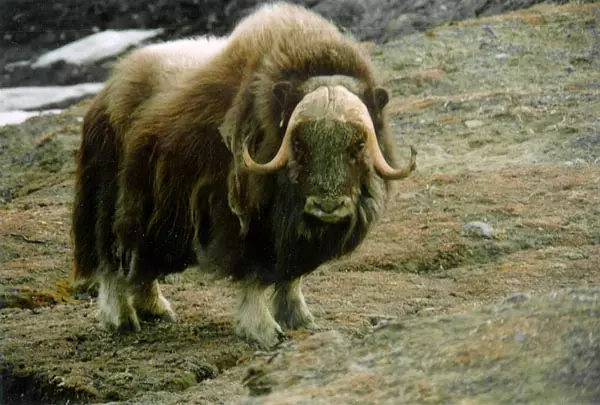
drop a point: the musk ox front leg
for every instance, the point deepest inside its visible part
(254, 320)
(290, 308)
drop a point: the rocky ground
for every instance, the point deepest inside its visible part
(480, 286)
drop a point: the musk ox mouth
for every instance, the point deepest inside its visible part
(329, 210)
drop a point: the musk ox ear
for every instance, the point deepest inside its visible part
(381, 98)
(282, 91)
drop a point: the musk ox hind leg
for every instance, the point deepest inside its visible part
(115, 301)
(290, 308)
(149, 302)
(254, 320)
(125, 299)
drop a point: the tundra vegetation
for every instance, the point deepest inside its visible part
(504, 113)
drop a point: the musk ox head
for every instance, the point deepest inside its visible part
(330, 147)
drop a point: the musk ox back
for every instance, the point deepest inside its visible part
(266, 152)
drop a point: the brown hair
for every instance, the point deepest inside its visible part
(160, 168)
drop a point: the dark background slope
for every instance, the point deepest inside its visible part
(28, 28)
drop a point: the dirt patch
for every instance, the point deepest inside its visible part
(504, 113)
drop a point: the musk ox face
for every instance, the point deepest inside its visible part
(329, 146)
(327, 161)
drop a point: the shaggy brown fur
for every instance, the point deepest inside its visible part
(161, 179)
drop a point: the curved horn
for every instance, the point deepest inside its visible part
(356, 111)
(310, 105)
(280, 159)
(383, 168)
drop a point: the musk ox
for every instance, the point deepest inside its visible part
(266, 152)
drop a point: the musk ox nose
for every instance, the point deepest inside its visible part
(329, 209)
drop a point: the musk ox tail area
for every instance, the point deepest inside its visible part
(95, 194)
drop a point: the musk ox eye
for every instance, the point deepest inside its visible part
(356, 149)
(299, 148)
(298, 145)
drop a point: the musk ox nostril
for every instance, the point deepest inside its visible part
(328, 209)
(328, 206)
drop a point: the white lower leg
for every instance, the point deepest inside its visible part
(150, 303)
(116, 304)
(290, 308)
(254, 320)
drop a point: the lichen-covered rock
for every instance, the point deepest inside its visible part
(539, 350)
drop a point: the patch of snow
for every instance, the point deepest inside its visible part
(16, 117)
(29, 98)
(96, 47)
(18, 63)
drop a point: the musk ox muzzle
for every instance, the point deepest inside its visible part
(334, 103)
(329, 209)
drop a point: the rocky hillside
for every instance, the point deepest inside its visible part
(29, 30)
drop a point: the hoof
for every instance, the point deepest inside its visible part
(312, 327)
(166, 316)
(122, 322)
(267, 336)
(303, 320)
(160, 311)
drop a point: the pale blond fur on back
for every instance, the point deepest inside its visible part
(277, 15)
(185, 53)
(154, 69)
